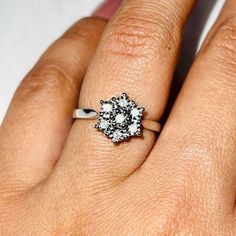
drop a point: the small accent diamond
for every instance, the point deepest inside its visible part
(135, 112)
(123, 102)
(104, 124)
(133, 128)
(107, 107)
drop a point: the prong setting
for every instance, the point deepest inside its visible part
(120, 118)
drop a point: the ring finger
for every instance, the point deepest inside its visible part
(137, 55)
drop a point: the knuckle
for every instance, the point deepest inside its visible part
(42, 80)
(197, 151)
(168, 212)
(224, 41)
(179, 202)
(137, 36)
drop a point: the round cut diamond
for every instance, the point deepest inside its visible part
(135, 112)
(116, 136)
(107, 107)
(120, 118)
(104, 124)
(133, 128)
(123, 102)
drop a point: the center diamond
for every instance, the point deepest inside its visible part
(120, 118)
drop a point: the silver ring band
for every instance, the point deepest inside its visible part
(92, 115)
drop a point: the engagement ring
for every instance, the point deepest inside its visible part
(119, 118)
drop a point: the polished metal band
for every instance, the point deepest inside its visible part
(92, 114)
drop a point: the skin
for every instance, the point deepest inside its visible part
(64, 178)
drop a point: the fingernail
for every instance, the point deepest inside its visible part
(107, 9)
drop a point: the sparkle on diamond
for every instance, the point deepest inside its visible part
(120, 118)
(107, 107)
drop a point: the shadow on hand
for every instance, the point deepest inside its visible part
(192, 34)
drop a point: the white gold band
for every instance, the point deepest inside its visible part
(85, 114)
(92, 114)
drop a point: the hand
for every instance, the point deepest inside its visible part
(62, 179)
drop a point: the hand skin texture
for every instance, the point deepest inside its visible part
(64, 178)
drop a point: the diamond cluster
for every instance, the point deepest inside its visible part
(120, 118)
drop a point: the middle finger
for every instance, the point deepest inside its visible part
(137, 55)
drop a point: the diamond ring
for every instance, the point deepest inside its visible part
(119, 118)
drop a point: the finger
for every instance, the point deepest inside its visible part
(39, 117)
(198, 143)
(137, 55)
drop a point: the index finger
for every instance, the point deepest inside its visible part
(137, 55)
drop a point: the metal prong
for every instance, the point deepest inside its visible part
(125, 95)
